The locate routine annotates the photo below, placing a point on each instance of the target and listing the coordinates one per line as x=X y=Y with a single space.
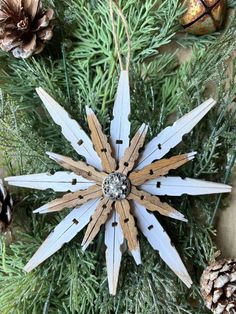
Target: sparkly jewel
x=116 y=186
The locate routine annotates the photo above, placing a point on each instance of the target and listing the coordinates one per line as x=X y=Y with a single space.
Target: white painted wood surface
x=120 y=125
x=114 y=239
x=176 y=186
x=172 y=135
x=61 y=181
x=160 y=241
x=70 y=129
x=66 y=230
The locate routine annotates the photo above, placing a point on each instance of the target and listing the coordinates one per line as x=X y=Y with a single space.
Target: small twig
x=47 y=302
x=3 y=251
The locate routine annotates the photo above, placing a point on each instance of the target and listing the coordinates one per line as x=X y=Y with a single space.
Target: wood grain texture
x=100 y=142
x=98 y=219
x=79 y=167
x=132 y=152
x=128 y=224
x=159 y=168
x=71 y=200
x=153 y=204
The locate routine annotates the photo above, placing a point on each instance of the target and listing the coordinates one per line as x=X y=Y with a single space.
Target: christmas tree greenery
x=79 y=67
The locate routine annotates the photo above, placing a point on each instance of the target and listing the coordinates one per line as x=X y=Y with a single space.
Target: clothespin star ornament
x=118 y=186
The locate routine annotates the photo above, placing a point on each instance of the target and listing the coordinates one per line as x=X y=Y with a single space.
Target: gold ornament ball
x=203 y=16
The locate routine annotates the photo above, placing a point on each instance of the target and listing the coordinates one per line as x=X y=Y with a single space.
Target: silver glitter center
x=116 y=186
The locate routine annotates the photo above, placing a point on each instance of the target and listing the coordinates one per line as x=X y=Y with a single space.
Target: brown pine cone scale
x=25 y=27
x=218 y=286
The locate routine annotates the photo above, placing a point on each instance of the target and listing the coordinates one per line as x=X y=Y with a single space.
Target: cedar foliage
x=79 y=67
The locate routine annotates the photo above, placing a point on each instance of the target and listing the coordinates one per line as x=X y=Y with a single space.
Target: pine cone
x=6 y=208
x=218 y=286
x=25 y=27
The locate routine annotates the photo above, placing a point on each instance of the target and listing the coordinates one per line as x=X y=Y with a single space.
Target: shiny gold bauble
x=203 y=16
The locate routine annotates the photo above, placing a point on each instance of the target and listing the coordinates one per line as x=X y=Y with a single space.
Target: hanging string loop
x=112 y=4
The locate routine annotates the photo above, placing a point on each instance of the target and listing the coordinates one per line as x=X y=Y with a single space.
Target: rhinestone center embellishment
x=116 y=186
